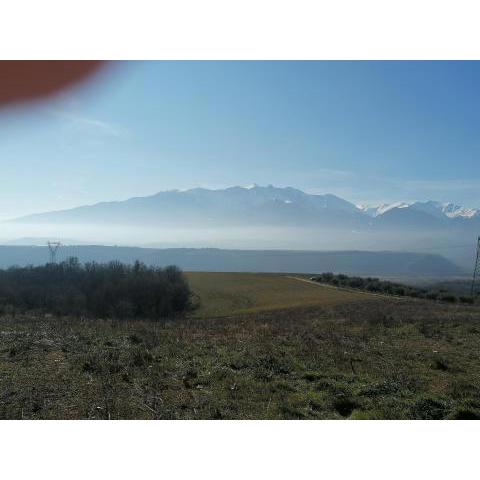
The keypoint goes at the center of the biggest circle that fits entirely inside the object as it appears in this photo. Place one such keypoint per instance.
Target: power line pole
(53, 249)
(476, 270)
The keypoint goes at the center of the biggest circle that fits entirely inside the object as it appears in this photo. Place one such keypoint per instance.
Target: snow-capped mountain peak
(376, 210)
(430, 207)
(451, 210)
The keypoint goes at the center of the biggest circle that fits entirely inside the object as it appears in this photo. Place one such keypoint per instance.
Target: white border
(239, 450)
(240, 29)
(247, 29)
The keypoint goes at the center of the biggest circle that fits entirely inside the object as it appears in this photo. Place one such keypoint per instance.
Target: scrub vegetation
(440, 292)
(110, 290)
(370, 358)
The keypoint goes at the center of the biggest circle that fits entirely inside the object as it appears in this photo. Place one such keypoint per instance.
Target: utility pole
(476, 270)
(53, 248)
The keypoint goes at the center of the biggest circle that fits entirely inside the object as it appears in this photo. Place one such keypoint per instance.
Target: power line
(476, 270)
(53, 248)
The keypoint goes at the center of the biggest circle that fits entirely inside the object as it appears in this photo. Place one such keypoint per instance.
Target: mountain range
(436, 209)
(265, 206)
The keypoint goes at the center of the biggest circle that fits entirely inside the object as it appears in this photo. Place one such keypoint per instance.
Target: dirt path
(345, 289)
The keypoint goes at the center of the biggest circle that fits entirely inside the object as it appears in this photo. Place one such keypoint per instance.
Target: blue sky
(367, 131)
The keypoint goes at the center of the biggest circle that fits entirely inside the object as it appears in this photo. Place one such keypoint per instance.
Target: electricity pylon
(476, 270)
(53, 248)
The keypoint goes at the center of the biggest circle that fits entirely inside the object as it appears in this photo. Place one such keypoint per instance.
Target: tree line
(103, 290)
(375, 285)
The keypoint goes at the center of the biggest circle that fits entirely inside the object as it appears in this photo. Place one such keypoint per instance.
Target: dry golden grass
(224, 294)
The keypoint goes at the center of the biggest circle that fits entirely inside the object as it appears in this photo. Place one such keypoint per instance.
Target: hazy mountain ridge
(258, 205)
(266, 218)
(383, 263)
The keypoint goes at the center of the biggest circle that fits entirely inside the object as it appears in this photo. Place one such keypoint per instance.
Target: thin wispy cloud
(100, 126)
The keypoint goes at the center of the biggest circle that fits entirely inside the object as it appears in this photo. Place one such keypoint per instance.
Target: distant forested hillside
(189, 259)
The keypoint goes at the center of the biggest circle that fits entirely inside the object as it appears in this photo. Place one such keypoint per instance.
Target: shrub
(448, 298)
(430, 409)
(432, 295)
(345, 406)
(102, 290)
(440, 364)
(376, 285)
(466, 414)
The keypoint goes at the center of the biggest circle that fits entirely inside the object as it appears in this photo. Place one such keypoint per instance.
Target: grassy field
(338, 356)
(225, 294)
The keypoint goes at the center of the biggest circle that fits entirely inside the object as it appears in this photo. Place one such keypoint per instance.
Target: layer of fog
(258, 238)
